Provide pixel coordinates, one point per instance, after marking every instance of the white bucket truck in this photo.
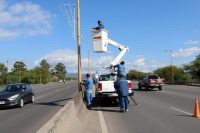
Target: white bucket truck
(105, 85)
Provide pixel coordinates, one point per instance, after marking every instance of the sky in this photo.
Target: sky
(32, 30)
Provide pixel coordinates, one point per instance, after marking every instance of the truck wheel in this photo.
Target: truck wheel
(139, 87)
(147, 88)
(160, 88)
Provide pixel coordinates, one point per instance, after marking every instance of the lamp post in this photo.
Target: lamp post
(172, 75)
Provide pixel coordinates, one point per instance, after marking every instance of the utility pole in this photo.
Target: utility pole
(69, 13)
(79, 45)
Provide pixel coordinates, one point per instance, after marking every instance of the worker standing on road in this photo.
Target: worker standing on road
(121, 86)
(100, 25)
(120, 69)
(88, 87)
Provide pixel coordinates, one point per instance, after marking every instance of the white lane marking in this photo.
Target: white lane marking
(180, 111)
(102, 123)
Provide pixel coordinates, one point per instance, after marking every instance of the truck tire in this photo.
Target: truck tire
(139, 87)
(160, 88)
(146, 87)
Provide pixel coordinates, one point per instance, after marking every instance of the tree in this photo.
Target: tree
(193, 68)
(38, 71)
(19, 67)
(44, 71)
(60, 71)
(3, 73)
(166, 73)
(134, 74)
(44, 64)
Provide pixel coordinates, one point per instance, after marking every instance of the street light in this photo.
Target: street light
(171, 52)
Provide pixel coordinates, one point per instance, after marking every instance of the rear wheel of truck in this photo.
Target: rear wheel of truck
(139, 87)
(160, 88)
(147, 87)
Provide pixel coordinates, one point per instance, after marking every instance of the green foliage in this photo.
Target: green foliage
(30, 77)
(3, 73)
(44, 64)
(134, 74)
(193, 68)
(40, 74)
(19, 68)
(12, 78)
(166, 73)
(44, 71)
(60, 72)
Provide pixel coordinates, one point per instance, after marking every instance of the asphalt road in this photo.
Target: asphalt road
(167, 111)
(49, 99)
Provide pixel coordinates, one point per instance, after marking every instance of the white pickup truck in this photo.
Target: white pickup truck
(105, 86)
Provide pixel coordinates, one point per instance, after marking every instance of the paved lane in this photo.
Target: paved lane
(166, 111)
(49, 100)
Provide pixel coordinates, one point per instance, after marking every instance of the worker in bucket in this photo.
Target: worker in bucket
(121, 86)
(100, 25)
(120, 69)
(88, 84)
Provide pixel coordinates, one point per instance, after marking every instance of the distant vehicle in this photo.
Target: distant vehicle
(105, 86)
(16, 95)
(150, 82)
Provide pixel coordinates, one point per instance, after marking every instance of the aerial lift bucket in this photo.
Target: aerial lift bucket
(100, 38)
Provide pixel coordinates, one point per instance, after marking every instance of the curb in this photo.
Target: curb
(73, 117)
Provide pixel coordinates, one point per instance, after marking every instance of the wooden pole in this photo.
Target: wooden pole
(79, 45)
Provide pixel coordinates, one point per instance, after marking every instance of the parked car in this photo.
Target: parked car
(16, 95)
(150, 82)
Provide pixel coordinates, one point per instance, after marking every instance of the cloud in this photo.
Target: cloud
(25, 19)
(8, 34)
(2, 5)
(140, 61)
(65, 56)
(186, 52)
(69, 59)
(143, 65)
(192, 42)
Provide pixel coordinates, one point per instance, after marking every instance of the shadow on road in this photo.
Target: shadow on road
(53, 103)
(105, 105)
(107, 110)
(147, 90)
(8, 108)
(185, 115)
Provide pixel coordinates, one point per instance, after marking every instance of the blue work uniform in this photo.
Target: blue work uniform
(120, 70)
(121, 86)
(99, 27)
(88, 87)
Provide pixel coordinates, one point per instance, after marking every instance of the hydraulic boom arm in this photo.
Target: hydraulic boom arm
(123, 50)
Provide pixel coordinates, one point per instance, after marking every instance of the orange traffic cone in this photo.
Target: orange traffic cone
(196, 109)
